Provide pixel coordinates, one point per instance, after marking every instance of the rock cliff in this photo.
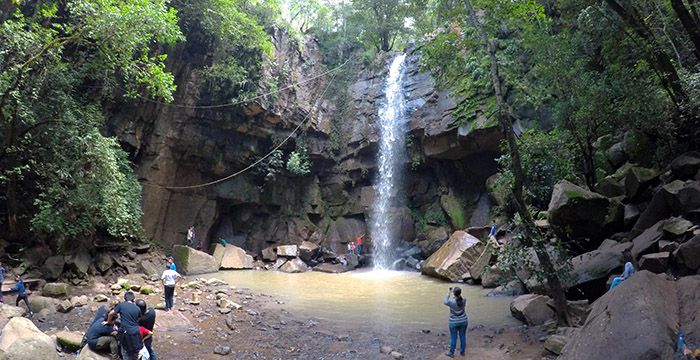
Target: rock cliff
(180, 145)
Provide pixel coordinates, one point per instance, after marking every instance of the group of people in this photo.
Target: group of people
(126, 331)
(355, 247)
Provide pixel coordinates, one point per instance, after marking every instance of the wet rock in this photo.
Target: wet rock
(308, 250)
(656, 263)
(269, 253)
(55, 290)
(193, 262)
(222, 350)
(655, 305)
(453, 259)
(69, 340)
(294, 266)
(577, 212)
(87, 354)
(288, 250)
(688, 253)
(53, 267)
(31, 349)
(531, 309)
(236, 258)
(555, 343)
(64, 306)
(22, 328)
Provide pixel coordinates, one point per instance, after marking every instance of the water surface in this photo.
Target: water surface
(374, 298)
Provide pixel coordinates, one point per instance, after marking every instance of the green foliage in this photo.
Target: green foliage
(298, 162)
(546, 159)
(433, 216)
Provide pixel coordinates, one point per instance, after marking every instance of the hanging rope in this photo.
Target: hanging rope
(254, 164)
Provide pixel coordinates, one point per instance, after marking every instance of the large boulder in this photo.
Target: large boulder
(656, 263)
(591, 270)
(295, 265)
(39, 303)
(431, 240)
(576, 212)
(688, 253)
(488, 255)
(269, 253)
(288, 251)
(8, 312)
(53, 267)
(69, 339)
(682, 197)
(454, 258)
(647, 241)
(645, 299)
(31, 349)
(79, 263)
(638, 179)
(193, 262)
(308, 250)
(531, 309)
(236, 258)
(685, 166)
(217, 251)
(103, 262)
(22, 328)
(56, 290)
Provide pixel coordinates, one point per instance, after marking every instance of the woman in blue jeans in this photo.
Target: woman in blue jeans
(458, 321)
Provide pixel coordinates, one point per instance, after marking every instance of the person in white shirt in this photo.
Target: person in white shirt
(170, 278)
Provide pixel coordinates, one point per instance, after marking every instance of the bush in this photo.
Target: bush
(298, 162)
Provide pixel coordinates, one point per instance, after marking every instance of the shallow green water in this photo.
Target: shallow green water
(371, 297)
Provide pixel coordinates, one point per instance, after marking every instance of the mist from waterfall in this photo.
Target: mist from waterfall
(392, 119)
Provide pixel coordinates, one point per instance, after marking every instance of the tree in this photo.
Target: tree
(383, 21)
(51, 53)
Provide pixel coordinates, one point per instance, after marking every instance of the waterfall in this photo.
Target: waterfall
(391, 147)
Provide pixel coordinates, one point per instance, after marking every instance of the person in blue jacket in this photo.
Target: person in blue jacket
(21, 293)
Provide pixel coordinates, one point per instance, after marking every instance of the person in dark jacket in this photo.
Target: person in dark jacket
(129, 334)
(102, 337)
(21, 293)
(458, 321)
(148, 321)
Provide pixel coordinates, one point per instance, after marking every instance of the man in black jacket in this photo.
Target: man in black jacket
(129, 334)
(148, 321)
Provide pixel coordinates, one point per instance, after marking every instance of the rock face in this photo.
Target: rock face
(236, 258)
(331, 205)
(644, 298)
(576, 212)
(453, 260)
(193, 262)
(531, 309)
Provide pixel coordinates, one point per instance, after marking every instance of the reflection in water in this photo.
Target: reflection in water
(371, 297)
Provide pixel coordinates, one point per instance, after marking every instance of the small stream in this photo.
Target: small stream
(374, 298)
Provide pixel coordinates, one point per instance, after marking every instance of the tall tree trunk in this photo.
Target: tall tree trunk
(657, 57)
(533, 237)
(11, 201)
(689, 24)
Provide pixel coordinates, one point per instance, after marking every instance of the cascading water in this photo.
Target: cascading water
(392, 119)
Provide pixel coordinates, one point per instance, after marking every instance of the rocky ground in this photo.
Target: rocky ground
(216, 321)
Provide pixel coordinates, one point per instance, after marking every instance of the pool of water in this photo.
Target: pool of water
(366, 297)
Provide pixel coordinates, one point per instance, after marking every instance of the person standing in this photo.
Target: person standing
(147, 321)
(494, 229)
(129, 334)
(2, 279)
(190, 236)
(358, 244)
(21, 293)
(457, 321)
(170, 278)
